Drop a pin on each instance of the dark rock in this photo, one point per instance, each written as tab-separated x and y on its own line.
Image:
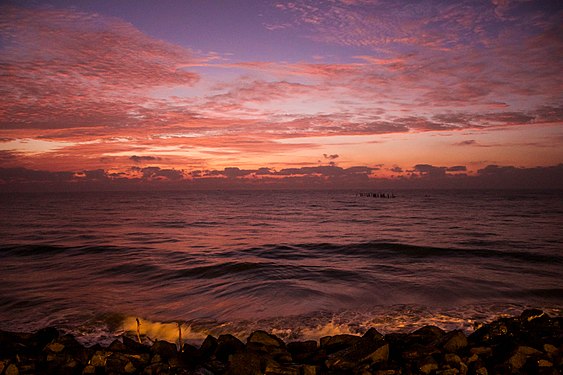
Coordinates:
134	346
373	334
266	339
116	363
12	369
244	363
302	350
453	341
333	344
428	365
117	346
45	336
273	368
165	349
208	347
426	335
364	352
532	314
226	346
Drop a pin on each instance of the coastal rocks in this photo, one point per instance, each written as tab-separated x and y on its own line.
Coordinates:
531	343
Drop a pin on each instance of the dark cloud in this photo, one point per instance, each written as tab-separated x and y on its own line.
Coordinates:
457	168
421	176
140	159
469	142
156	173
331	157
430	170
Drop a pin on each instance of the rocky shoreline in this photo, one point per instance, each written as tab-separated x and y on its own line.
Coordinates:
531	343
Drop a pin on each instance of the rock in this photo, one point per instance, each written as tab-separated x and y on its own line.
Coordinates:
89	369
302	350
208	347
134	346
373	335
426	335
266	339
226	346
452	359
99	359
165	349
454	341
130	368
428	365
308	370
484	351
12	370
244	363
550	349
463	369
117	346
531	314
44	336
364	353
273	368
521	355
55	347
332	344
116	363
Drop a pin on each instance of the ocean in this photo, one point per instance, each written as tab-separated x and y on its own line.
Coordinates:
300	264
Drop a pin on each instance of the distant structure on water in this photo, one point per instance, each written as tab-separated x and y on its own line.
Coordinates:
376	195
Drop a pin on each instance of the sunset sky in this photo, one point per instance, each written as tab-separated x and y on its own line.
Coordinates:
337	93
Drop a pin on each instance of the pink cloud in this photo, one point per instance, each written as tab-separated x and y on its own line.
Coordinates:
65	67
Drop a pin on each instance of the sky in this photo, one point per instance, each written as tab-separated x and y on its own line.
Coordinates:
281	94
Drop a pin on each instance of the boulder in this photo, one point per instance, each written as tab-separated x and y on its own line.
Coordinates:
165	349
226	346
302	350
373	335
333	344
208	347
266	339
244	363
453	341
361	354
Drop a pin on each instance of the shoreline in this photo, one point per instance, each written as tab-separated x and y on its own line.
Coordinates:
531	343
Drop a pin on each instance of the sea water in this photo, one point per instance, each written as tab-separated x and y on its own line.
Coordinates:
301	264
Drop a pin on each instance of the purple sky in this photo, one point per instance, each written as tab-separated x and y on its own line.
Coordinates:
191	91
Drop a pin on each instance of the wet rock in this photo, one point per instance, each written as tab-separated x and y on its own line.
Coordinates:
208	347
228	345
165	349
44	336
244	363
333	344
452	359
373	335
117	346
273	368
454	341
54	347
134	346
302	350
99	359
266	339
12	369
426	335
309	370
362	353
532	314
428	365
89	369
521	355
